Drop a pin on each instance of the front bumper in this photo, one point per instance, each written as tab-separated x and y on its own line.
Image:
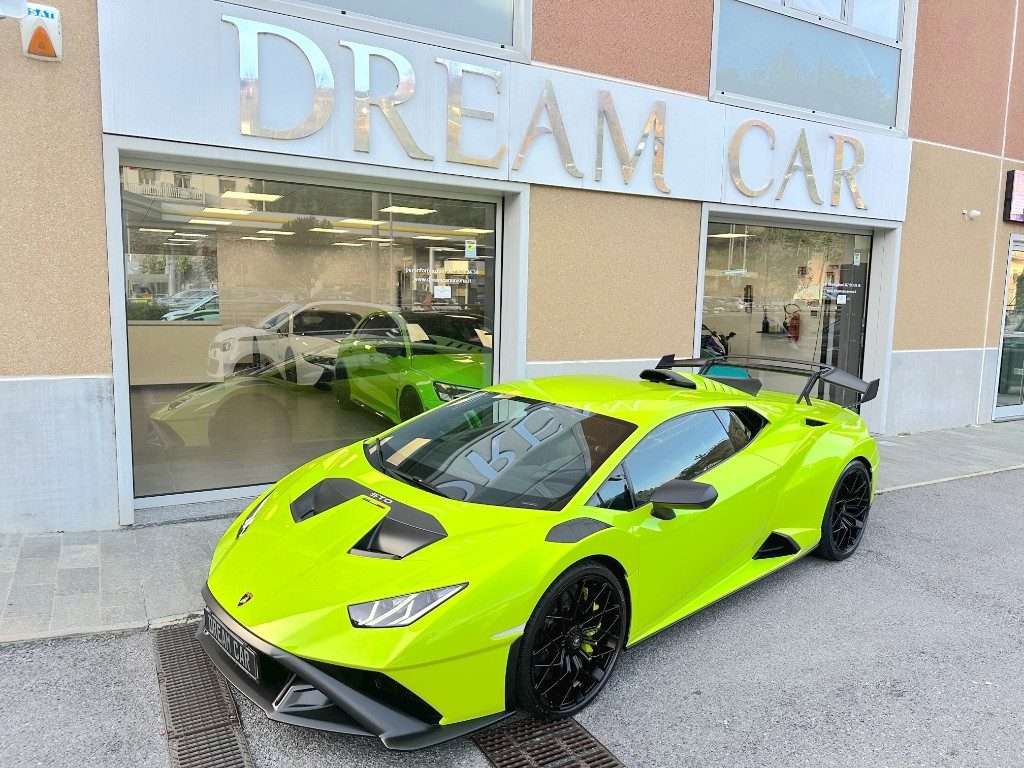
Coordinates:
311	694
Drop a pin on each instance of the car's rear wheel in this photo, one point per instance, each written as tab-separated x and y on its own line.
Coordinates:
571	642
409	404
846	517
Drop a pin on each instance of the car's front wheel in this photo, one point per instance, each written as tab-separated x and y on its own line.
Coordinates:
571	642
846	517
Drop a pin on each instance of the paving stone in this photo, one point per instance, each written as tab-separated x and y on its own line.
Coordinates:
6	579
75	538
77	581
36	570
111	615
44	545
18	627
28	601
79	556
119	598
8	558
75	612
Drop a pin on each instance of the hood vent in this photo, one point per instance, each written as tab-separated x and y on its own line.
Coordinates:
401	532
325	495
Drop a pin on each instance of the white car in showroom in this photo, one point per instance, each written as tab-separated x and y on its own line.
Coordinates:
299	332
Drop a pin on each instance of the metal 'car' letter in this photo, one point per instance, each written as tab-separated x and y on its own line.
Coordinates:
736	147
457	111
655	124
548	103
387	104
249	32
850	174
804	166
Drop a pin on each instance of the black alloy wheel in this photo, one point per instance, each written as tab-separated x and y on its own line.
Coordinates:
572	642
847	515
409	405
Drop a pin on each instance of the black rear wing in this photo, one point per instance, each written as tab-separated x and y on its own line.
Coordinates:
815	372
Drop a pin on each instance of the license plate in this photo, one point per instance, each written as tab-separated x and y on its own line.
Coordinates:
240	653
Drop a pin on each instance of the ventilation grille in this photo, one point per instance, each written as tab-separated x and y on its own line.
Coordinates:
531	743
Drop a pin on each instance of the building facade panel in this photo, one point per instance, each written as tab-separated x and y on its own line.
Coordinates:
611	276
961	69
52	229
661	44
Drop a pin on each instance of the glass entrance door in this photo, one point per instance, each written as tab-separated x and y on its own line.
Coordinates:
1010	384
783	292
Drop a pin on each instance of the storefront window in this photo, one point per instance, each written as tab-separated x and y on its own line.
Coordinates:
270	322
1010	390
792	293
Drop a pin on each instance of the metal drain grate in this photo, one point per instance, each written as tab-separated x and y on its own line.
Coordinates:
203	729
531	743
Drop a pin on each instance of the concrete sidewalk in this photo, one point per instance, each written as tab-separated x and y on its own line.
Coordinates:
79	583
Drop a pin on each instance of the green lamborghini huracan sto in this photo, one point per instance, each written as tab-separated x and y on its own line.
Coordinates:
499	552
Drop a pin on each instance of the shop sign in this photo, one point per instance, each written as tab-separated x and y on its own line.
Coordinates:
287	85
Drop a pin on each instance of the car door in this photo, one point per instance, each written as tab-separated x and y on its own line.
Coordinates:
685	557
374	362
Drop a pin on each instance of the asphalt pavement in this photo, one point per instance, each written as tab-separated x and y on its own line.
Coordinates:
909	654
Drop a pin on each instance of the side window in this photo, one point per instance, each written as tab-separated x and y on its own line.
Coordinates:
381	326
613	493
680	449
742	424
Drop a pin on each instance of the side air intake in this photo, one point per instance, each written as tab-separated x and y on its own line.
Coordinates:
776	545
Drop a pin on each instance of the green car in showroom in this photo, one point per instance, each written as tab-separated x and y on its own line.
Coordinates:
400	364
498	553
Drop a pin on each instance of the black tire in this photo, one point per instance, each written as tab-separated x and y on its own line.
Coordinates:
249	425
409	404
342	387
846	517
557	643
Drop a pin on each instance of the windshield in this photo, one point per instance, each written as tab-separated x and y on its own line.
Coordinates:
489	448
448	330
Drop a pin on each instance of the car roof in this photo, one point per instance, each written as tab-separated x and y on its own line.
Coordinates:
641	402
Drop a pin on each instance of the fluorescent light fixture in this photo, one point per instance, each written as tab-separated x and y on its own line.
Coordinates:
227	211
250	237
473	231
274	232
409	211
211	222
446	249
232	195
729	235
161	231
353	245
328	230
189	234
362	222
429	237
376	239
179	242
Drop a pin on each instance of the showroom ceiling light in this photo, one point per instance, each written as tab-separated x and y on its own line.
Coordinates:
172	241
189	234
473	231
258	196
160	231
274	232
729	235
227	211
212	222
329	231
376	239
429	237
250	237
406	210
353	245
362	222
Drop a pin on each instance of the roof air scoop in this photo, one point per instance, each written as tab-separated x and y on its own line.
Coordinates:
401	532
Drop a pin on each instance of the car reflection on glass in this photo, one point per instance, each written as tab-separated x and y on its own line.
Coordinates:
205	310
400	364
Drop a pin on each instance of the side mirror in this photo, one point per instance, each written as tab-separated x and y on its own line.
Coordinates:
685	494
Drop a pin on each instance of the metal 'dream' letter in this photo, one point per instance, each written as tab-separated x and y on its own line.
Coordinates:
736	148
457	111
850	174
387	104
655	124
249	77
803	166
548	103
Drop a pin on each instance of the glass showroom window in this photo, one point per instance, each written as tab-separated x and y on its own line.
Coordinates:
492	21
838	57
270	322
794	293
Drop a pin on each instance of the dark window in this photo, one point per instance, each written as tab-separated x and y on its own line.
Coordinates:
317	321
742	424
682	448
381	326
489	448
614	492
450	331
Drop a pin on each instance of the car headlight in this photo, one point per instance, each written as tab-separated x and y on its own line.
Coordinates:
447	392
251	517
399	611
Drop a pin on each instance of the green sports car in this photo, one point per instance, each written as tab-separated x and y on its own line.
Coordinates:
500	552
400	364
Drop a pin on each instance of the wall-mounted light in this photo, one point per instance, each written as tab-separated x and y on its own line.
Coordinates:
972	214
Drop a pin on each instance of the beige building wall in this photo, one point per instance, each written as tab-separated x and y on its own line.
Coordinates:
647	41
611	276
946	259
52	226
